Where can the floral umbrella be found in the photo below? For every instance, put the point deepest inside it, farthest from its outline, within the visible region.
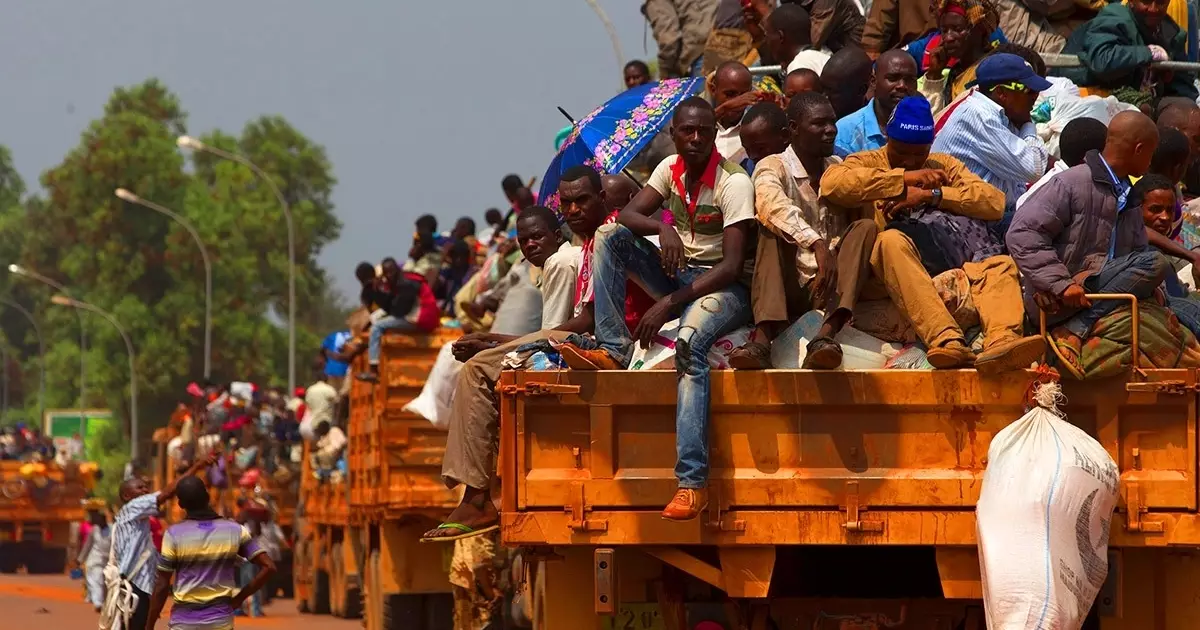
(614, 133)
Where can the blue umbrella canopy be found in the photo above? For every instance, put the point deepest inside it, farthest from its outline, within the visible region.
(610, 136)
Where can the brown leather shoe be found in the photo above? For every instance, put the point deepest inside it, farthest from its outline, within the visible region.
(686, 505)
(1016, 353)
(752, 356)
(952, 355)
(577, 358)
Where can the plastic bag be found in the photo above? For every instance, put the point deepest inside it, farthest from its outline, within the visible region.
(1067, 109)
(437, 395)
(860, 351)
(661, 353)
(1042, 520)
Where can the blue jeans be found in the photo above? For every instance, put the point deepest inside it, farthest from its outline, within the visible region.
(622, 255)
(385, 324)
(249, 570)
(1138, 273)
(1188, 311)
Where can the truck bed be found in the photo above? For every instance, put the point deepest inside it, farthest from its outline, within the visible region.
(820, 458)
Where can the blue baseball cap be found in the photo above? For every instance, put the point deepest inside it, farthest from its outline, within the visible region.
(1000, 68)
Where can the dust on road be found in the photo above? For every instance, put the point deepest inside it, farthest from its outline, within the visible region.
(56, 602)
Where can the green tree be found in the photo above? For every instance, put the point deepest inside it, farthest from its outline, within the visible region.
(147, 271)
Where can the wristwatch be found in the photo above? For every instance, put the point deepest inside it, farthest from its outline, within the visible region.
(937, 197)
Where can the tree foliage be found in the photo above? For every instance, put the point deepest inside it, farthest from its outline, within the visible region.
(147, 270)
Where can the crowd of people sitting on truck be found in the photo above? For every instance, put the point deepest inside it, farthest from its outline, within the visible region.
(921, 206)
(22, 443)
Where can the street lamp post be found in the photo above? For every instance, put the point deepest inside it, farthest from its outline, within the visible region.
(63, 300)
(128, 196)
(37, 331)
(33, 275)
(189, 142)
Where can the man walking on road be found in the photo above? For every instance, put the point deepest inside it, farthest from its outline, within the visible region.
(202, 553)
(135, 553)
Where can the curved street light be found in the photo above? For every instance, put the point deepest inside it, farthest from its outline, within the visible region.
(63, 300)
(125, 195)
(37, 331)
(188, 142)
(33, 275)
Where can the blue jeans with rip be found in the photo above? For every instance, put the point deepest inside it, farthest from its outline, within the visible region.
(1138, 273)
(385, 324)
(621, 255)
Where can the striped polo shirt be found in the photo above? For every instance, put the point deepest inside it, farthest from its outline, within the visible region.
(203, 555)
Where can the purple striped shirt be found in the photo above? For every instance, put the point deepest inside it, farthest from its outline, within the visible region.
(203, 555)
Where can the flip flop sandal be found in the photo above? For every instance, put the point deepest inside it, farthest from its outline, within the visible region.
(823, 354)
(1068, 358)
(467, 532)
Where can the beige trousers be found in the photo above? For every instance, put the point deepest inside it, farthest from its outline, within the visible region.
(474, 435)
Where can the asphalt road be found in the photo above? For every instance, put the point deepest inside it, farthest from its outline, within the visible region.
(56, 602)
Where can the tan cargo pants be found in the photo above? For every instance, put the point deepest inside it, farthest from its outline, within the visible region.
(897, 273)
(681, 29)
(474, 420)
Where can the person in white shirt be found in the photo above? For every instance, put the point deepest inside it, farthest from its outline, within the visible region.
(1078, 137)
(320, 401)
(788, 32)
(331, 442)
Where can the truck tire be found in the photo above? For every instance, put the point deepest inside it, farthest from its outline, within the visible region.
(439, 610)
(404, 612)
(299, 566)
(320, 604)
(46, 561)
(10, 558)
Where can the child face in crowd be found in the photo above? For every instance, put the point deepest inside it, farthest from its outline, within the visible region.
(1158, 210)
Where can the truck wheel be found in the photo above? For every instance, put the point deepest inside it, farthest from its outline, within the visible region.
(46, 561)
(320, 604)
(404, 612)
(9, 558)
(439, 610)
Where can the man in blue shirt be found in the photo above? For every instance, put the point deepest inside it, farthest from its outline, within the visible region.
(331, 348)
(895, 78)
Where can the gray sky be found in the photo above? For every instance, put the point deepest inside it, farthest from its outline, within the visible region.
(423, 106)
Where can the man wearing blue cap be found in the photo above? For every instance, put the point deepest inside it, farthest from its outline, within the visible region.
(924, 205)
(991, 130)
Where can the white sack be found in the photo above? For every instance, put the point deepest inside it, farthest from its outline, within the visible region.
(661, 352)
(860, 351)
(438, 393)
(1042, 521)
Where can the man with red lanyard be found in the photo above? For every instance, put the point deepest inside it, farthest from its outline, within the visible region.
(698, 275)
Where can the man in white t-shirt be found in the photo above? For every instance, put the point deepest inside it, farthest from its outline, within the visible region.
(698, 275)
(320, 403)
(788, 31)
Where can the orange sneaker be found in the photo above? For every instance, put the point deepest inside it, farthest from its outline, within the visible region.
(577, 358)
(686, 505)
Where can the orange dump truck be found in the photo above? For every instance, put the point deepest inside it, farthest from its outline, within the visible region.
(358, 552)
(838, 500)
(37, 509)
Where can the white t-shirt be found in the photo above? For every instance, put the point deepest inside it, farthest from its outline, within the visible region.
(812, 59)
(320, 400)
(1059, 167)
(730, 200)
(729, 143)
